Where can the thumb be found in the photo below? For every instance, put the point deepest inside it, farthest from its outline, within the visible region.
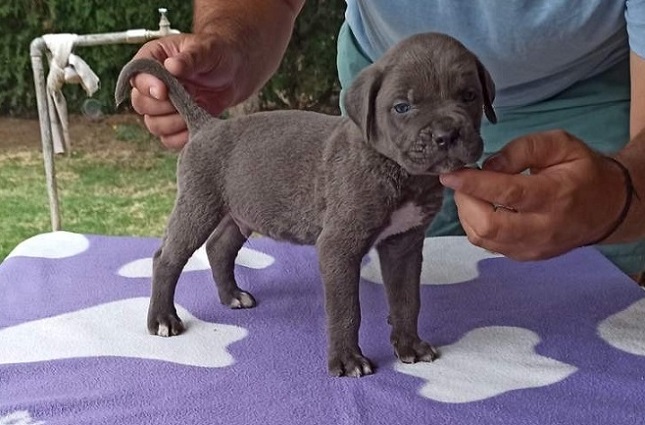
(192, 60)
(535, 151)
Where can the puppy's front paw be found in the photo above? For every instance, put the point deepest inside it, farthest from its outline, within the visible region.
(350, 363)
(239, 299)
(165, 325)
(412, 350)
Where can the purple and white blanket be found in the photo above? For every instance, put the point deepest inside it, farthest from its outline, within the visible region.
(554, 342)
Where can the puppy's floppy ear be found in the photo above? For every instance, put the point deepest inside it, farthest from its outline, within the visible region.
(360, 100)
(488, 90)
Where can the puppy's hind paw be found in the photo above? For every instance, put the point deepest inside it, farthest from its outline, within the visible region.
(353, 365)
(415, 351)
(167, 326)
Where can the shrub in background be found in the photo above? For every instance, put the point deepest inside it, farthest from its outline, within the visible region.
(23, 20)
(307, 78)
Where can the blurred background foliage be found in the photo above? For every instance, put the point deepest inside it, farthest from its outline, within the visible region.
(306, 80)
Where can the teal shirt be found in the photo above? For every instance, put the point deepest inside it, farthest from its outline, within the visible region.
(533, 48)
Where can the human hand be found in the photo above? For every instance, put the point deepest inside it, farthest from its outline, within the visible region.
(207, 66)
(572, 197)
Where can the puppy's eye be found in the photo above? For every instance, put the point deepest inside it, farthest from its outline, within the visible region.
(402, 107)
(469, 96)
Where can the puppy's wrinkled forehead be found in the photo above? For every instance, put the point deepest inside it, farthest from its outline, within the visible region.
(429, 62)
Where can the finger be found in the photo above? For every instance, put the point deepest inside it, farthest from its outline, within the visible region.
(521, 192)
(146, 105)
(535, 151)
(499, 231)
(165, 125)
(150, 86)
(515, 251)
(175, 141)
(516, 235)
(480, 217)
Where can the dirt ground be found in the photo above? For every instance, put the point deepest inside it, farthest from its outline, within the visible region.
(24, 134)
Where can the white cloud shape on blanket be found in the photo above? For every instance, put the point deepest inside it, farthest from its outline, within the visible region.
(446, 260)
(118, 329)
(624, 330)
(20, 417)
(246, 257)
(485, 363)
(52, 245)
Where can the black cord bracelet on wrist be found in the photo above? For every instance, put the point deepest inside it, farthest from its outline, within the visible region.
(631, 192)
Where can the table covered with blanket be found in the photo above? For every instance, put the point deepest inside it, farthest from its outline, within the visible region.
(552, 342)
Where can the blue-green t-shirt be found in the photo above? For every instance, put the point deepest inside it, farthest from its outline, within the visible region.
(534, 48)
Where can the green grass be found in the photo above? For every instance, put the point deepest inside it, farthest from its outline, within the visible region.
(118, 181)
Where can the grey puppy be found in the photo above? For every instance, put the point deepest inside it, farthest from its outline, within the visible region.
(345, 184)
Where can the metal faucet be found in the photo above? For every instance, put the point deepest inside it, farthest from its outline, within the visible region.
(164, 23)
(141, 35)
(38, 48)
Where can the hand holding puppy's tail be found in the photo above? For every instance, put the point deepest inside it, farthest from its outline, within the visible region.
(190, 111)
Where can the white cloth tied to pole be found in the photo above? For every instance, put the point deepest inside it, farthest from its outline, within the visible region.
(64, 67)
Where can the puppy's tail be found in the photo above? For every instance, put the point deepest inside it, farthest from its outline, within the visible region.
(193, 114)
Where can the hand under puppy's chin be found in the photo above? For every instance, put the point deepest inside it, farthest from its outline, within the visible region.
(447, 165)
(448, 169)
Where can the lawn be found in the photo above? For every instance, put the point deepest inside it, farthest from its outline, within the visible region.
(117, 181)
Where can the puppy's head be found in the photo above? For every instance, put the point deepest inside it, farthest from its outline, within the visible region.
(421, 104)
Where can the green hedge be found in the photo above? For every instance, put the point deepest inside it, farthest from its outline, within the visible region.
(307, 78)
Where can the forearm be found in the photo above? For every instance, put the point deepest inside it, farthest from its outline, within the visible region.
(259, 28)
(637, 105)
(633, 157)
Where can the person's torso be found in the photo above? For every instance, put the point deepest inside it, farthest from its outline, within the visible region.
(533, 48)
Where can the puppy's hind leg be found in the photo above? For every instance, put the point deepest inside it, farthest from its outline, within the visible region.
(222, 248)
(192, 220)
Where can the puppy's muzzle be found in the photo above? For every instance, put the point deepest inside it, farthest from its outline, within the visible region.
(449, 130)
(446, 144)
(444, 138)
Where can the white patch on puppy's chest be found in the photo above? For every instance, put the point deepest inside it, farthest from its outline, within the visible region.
(408, 216)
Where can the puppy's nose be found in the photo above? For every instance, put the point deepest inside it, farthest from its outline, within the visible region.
(445, 138)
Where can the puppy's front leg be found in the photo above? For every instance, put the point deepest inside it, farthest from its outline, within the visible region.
(340, 269)
(401, 257)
